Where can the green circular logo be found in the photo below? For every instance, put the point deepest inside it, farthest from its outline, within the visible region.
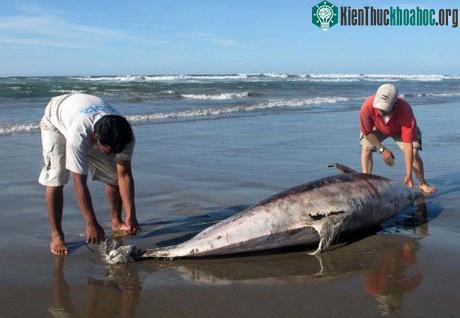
(325, 15)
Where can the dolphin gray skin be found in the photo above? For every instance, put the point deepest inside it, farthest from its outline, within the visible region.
(312, 213)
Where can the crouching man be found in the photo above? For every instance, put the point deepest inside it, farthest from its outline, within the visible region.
(387, 115)
(81, 134)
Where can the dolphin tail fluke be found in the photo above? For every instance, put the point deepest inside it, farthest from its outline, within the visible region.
(342, 168)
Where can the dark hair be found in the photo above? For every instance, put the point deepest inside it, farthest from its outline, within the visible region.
(114, 131)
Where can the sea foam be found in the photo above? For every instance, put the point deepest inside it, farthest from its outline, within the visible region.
(222, 96)
(258, 77)
(199, 112)
(214, 111)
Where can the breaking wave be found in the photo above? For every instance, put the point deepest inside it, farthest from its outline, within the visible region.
(249, 77)
(65, 91)
(430, 94)
(198, 113)
(19, 128)
(205, 112)
(162, 78)
(222, 96)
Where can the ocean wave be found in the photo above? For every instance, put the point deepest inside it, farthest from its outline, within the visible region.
(222, 96)
(334, 75)
(205, 112)
(387, 77)
(334, 80)
(250, 77)
(409, 77)
(278, 75)
(430, 94)
(162, 78)
(124, 78)
(66, 91)
(200, 112)
(19, 128)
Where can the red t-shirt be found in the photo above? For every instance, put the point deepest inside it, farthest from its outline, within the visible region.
(402, 121)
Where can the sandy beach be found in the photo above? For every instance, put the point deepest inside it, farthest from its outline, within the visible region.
(190, 174)
(230, 103)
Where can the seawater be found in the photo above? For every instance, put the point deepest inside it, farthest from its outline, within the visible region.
(160, 98)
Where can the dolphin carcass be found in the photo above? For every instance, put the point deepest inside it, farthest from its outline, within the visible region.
(314, 213)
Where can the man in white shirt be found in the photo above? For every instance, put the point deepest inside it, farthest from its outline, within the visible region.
(81, 134)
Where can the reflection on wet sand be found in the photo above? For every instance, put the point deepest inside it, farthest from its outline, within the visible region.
(386, 263)
(398, 273)
(115, 296)
(62, 305)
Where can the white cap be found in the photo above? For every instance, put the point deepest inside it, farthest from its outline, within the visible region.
(386, 97)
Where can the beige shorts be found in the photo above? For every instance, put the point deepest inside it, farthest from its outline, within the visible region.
(417, 144)
(54, 173)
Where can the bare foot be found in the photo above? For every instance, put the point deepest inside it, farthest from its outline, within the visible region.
(118, 226)
(124, 228)
(131, 226)
(57, 245)
(427, 189)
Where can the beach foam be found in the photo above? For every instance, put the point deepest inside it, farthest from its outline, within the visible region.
(430, 94)
(65, 91)
(222, 96)
(315, 77)
(19, 128)
(200, 112)
(206, 112)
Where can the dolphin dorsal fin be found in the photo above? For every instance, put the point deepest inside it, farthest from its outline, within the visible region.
(342, 168)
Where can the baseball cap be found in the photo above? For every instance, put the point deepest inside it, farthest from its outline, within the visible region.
(386, 97)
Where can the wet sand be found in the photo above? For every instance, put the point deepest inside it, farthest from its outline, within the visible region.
(190, 176)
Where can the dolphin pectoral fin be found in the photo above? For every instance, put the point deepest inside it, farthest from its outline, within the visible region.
(319, 229)
(342, 168)
(328, 231)
(322, 246)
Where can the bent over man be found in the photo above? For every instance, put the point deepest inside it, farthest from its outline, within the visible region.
(82, 134)
(387, 115)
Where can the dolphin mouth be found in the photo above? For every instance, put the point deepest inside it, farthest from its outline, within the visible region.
(113, 251)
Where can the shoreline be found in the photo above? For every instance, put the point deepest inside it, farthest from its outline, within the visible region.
(191, 173)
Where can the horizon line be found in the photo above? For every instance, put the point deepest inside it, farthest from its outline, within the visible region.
(234, 74)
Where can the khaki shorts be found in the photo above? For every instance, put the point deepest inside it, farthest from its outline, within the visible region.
(417, 144)
(54, 173)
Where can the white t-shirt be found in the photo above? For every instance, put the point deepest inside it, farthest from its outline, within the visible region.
(74, 115)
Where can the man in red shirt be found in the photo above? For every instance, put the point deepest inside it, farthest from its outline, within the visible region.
(387, 115)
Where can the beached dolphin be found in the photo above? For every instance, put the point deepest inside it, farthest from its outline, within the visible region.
(312, 213)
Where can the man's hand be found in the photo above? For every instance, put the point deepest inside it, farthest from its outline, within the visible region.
(388, 157)
(131, 227)
(94, 233)
(408, 182)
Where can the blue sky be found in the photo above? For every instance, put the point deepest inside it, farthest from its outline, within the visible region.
(204, 36)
